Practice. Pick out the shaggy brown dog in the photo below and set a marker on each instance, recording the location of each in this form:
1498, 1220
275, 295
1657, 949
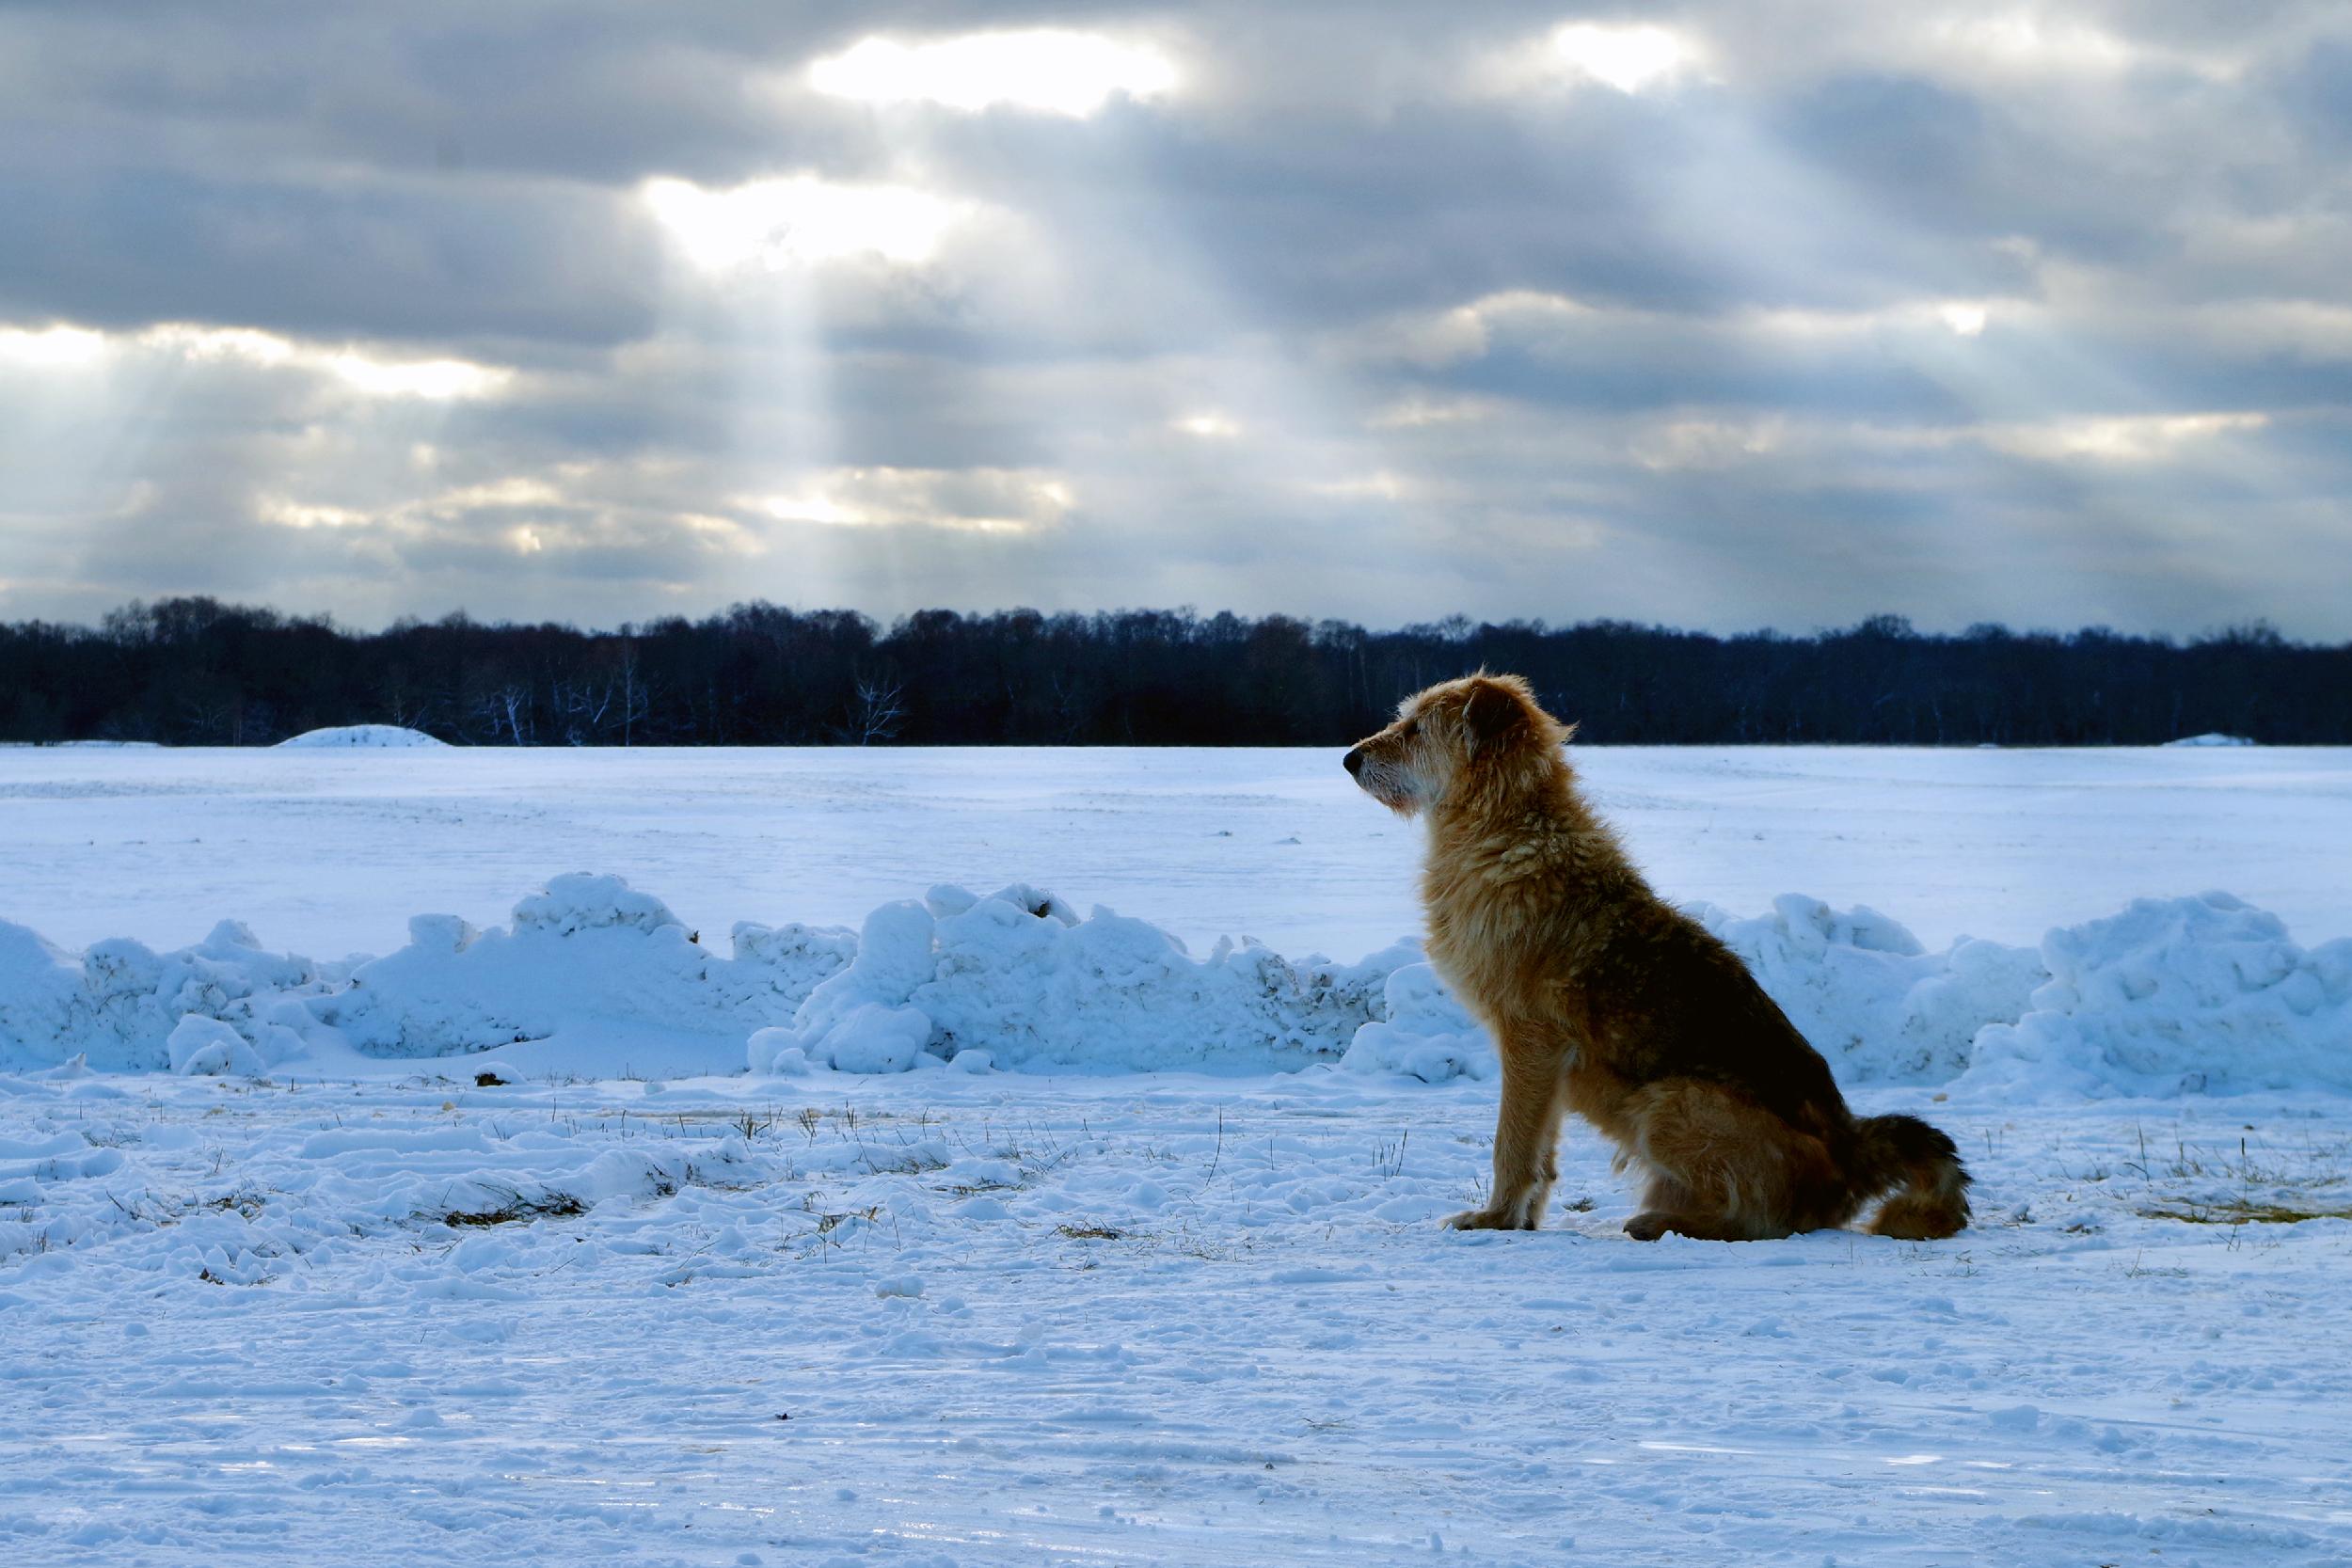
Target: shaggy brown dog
1605, 1001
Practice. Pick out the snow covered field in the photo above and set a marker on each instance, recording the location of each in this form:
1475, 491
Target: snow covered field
323, 1295
330, 852
1016, 1321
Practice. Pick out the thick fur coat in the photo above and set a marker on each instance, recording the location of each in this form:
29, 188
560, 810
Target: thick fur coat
1606, 1001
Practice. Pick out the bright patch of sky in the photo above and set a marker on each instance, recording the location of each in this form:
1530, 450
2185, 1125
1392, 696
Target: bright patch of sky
800, 219
1628, 58
371, 373
1049, 69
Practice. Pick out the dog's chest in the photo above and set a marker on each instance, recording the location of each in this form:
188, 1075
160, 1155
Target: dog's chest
1504, 968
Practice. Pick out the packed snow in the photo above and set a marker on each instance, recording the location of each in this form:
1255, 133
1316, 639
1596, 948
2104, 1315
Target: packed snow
983, 1227
376, 737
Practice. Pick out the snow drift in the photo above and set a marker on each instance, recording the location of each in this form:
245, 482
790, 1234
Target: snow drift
1881, 1007
2202, 994
2178, 995
380, 737
1019, 975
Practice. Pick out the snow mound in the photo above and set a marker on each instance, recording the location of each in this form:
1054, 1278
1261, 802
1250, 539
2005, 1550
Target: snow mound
591, 968
1020, 976
595, 977
2178, 995
589, 963
2212, 737
1426, 1033
122, 1004
1859, 985
205, 1045
375, 736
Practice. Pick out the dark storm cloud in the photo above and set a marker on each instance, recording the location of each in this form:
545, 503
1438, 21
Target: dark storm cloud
471, 260
1957, 311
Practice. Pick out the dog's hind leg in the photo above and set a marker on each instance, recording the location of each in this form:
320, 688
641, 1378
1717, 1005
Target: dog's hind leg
1667, 1204
1527, 1138
1719, 1166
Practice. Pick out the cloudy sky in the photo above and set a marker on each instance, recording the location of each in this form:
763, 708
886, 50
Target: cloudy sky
1723, 315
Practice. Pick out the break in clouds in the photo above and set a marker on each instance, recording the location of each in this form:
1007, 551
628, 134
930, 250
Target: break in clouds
1719, 315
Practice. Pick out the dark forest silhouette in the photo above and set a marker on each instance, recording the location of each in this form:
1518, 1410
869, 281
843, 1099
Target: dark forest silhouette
195, 671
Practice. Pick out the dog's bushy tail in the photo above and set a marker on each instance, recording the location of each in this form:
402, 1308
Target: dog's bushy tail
1922, 1165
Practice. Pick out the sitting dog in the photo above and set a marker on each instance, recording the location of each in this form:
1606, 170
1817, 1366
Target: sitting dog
1605, 1001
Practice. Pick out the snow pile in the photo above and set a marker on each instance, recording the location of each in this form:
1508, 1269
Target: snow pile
1019, 975
2172, 996
122, 1004
1426, 1035
1860, 987
588, 963
2212, 737
2178, 995
377, 736
589, 957
595, 977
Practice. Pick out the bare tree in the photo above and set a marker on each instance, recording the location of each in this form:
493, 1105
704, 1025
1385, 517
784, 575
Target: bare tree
506, 707
636, 695
581, 705
880, 711
402, 703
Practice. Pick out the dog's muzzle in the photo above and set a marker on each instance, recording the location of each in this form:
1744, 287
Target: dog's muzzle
1354, 762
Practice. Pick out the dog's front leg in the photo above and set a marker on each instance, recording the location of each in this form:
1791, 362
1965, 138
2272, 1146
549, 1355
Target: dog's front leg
1527, 1129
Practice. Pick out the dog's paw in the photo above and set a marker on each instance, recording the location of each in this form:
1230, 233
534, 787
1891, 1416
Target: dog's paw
1477, 1219
1648, 1226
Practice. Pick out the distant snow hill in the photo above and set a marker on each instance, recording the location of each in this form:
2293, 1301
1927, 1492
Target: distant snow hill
380, 735
2212, 737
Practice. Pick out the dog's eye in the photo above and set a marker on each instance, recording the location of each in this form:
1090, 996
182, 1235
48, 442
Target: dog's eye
1411, 729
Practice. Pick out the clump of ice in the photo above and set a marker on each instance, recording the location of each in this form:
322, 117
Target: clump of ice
873, 1036
205, 1045
1426, 1035
2212, 737
377, 736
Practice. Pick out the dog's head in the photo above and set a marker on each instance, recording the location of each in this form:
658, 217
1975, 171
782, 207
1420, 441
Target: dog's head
1481, 724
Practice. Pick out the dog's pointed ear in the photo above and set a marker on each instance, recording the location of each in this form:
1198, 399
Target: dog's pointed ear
1494, 714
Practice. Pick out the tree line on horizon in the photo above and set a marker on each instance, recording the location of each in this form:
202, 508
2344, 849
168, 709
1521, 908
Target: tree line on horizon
198, 672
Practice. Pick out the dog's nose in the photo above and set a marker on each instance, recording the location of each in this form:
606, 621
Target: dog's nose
1353, 761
